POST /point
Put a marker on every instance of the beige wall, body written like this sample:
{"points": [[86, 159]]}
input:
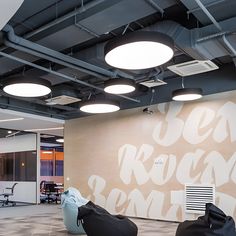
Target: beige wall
{"points": [[137, 164]]}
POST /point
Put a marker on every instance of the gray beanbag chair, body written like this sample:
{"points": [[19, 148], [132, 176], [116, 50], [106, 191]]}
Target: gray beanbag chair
{"points": [[71, 199]]}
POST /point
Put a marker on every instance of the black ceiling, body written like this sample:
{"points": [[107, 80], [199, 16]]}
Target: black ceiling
{"points": [[80, 29]]}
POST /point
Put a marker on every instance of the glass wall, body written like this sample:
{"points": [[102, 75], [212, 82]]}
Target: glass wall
{"points": [[18, 166], [52, 163]]}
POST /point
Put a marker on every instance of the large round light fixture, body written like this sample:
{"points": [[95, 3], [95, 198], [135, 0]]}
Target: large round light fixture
{"points": [[119, 86], [27, 87], [139, 50], [100, 106], [186, 94]]}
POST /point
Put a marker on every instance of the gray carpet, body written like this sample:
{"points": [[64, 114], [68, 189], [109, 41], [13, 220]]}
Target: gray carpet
{"points": [[52, 224]]}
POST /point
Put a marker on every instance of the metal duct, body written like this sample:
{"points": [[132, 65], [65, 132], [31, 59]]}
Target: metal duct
{"points": [[199, 43], [98, 16], [69, 78], [222, 9]]}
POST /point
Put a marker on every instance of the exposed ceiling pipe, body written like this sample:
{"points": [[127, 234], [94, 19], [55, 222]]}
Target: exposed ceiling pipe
{"points": [[46, 57], [61, 19], [50, 71], [212, 36], [59, 57], [199, 43], [155, 6], [207, 5], [213, 20], [229, 45]]}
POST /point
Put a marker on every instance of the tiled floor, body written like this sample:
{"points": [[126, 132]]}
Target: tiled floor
{"points": [[47, 220]]}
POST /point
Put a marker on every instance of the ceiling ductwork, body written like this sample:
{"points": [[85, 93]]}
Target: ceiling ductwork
{"points": [[84, 24], [68, 49], [199, 43], [222, 9], [203, 43]]}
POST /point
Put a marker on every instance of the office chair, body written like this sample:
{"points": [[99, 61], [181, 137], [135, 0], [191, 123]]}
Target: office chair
{"points": [[52, 192], [9, 192]]}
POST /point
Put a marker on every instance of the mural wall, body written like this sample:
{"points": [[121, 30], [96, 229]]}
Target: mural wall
{"points": [[136, 164]]}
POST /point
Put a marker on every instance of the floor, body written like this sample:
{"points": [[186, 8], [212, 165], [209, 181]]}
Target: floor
{"points": [[47, 220]]}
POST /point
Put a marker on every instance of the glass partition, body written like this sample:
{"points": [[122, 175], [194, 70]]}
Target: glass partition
{"points": [[18, 156]]}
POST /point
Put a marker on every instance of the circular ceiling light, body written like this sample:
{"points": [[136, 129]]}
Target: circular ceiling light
{"points": [[186, 94], [139, 50], [119, 86], [27, 87], [100, 106]]}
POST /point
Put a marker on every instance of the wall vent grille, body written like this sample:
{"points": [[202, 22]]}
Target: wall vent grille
{"points": [[193, 67], [196, 197]]}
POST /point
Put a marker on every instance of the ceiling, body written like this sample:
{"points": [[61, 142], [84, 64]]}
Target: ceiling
{"points": [[19, 121], [79, 30], [14, 123]]}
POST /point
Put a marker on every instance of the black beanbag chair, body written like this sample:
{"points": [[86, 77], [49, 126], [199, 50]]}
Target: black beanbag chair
{"points": [[213, 223], [97, 221]]}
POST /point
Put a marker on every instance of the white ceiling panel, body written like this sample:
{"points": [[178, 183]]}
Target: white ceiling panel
{"points": [[12, 120]]}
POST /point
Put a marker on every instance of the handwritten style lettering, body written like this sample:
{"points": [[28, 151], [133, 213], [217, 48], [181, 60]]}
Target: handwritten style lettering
{"points": [[203, 163]]}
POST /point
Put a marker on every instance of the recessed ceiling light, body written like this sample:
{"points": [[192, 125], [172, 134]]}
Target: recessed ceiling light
{"points": [[139, 50], [100, 106], [9, 132], [27, 87], [14, 119], [119, 86], [187, 94], [47, 152], [60, 140]]}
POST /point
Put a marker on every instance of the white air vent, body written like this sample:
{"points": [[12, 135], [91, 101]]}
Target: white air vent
{"points": [[193, 67], [196, 197], [62, 100], [153, 83]]}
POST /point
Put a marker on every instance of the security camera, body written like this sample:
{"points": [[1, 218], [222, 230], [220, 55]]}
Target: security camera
{"points": [[147, 110]]}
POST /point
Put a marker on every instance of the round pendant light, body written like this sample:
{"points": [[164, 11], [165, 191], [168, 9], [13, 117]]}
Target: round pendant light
{"points": [[27, 87], [100, 106], [119, 86], [139, 50], [186, 94]]}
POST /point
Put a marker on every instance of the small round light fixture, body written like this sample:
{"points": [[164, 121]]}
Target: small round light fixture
{"points": [[186, 94], [27, 87], [100, 106], [139, 50], [119, 86], [60, 140]]}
